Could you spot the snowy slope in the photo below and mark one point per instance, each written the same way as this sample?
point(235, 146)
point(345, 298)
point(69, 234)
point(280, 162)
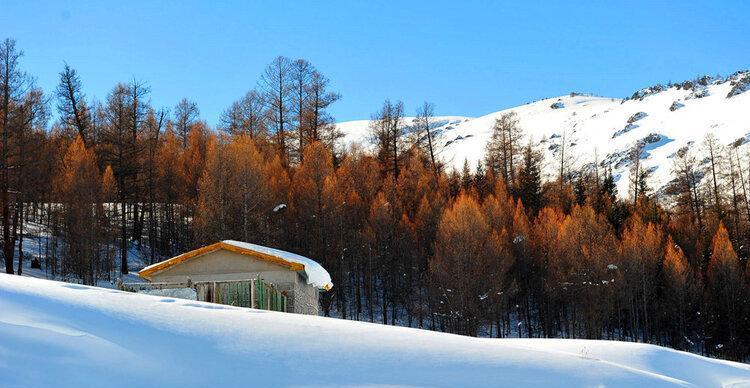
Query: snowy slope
point(665, 120)
point(358, 131)
point(60, 334)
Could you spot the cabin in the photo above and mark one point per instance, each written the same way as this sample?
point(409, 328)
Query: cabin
point(245, 274)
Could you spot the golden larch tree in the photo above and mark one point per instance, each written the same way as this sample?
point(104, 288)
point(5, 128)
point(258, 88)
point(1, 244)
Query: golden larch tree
point(79, 190)
point(469, 266)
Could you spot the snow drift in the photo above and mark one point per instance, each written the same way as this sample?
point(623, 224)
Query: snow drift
point(59, 334)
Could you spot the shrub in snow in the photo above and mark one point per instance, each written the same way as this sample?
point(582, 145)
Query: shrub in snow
point(696, 83)
point(616, 159)
point(557, 105)
point(676, 105)
point(627, 129)
point(645, 92)
point(651, 138)
point(741, 141)
point(637, 116)
point(698, 92)
point(704, 80)
point(741, 85)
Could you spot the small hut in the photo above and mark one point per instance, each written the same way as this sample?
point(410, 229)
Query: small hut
point(244, 274)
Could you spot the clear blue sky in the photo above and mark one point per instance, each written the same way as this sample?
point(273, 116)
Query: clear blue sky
point(468, 57)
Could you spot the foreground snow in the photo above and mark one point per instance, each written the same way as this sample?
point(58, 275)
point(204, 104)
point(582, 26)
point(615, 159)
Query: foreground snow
point(59, 334)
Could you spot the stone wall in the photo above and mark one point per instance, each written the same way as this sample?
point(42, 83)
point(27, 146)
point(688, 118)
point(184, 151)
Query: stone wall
point(305, 298)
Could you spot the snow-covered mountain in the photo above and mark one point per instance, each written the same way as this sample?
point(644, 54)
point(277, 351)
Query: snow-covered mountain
point(663, 118)
point(69, 335)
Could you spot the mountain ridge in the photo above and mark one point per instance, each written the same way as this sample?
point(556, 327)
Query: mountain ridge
point(664, 118)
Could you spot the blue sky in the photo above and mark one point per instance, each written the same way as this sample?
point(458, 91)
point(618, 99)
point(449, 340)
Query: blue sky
point(468, 57)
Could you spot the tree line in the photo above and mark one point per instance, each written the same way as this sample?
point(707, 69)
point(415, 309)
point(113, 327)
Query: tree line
point(495, 250)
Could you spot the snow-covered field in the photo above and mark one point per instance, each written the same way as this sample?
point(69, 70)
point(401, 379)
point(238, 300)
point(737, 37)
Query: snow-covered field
point(60, 334)
point(664, 120)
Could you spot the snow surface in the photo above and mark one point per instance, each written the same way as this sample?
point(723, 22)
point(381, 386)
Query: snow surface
point(316, 275)
point(599, 125)
point(358, 131)
point(67, 335)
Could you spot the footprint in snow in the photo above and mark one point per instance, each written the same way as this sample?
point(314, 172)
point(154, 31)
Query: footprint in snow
point(206, 306)
point(76, 287)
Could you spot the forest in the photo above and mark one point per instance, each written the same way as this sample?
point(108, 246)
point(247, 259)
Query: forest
point(492, 250)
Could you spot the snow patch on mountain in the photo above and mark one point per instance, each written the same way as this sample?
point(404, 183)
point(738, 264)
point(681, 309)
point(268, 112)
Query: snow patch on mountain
point(679, 114)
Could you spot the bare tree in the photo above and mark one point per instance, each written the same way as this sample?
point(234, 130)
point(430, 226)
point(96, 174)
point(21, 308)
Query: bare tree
point(30, 121)
point(742, 182)
point(713, 148)
point(301, 73)
point(139, 110)
point(13, 86)
point(504, 147)
point(320, 126)
point(423, 121)
point(116, 151)
point(245, 116)
point(733, 177)
point(387, 131)
point(121, 144)
point(186, 113)
point(686, 185)
point(275, 83)
point(637, 174)
point(566, 160)
point(71, 103)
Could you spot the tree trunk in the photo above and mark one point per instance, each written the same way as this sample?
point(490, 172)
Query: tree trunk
point(20, 239)
point(124, 239)
point(4, 175)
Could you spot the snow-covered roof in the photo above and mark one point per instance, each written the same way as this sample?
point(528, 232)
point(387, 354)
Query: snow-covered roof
point(315, 274)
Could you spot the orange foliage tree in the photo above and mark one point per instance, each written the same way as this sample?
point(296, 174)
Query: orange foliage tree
point(78, 188)
point(469, 266)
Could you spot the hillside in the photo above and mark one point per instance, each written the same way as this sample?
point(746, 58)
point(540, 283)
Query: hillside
point(60, 334)
point(663, 118)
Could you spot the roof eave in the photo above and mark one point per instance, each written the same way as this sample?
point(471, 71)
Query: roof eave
point(147, 272)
